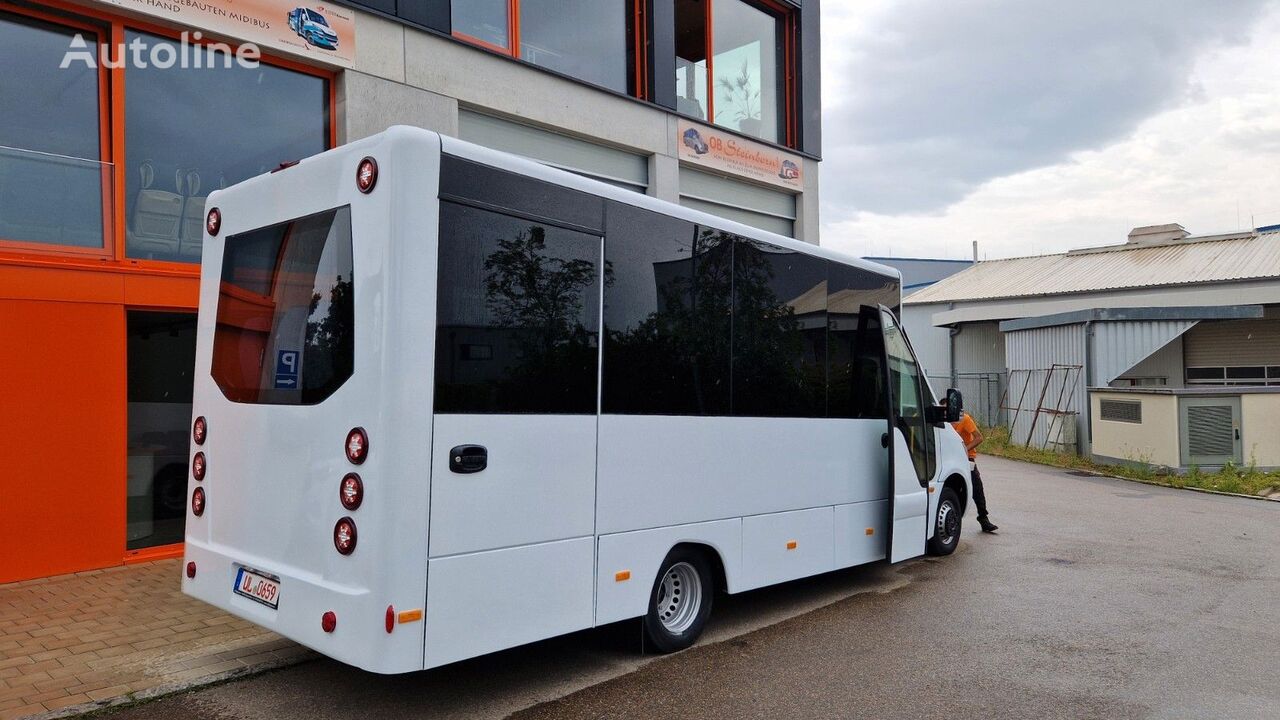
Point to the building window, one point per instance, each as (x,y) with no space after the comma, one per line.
(731,66)
(54,187)
(591,40)
(191,130)
(1242,375)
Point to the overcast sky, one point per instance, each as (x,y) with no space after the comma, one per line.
(1038,126)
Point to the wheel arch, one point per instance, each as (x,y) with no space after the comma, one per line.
(961,488)
(712,554)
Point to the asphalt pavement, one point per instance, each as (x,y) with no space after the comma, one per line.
(1098,598)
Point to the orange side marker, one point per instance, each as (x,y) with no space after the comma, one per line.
(791,544)
(871,531)
(408,616)
(622,576)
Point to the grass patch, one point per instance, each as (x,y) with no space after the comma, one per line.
(1248,480)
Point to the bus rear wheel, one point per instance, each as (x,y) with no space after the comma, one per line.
(680,602)
(946,531)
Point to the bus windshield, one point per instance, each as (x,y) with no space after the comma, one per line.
(285,323)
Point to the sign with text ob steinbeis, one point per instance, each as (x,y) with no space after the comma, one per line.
(323,32)
(731,154)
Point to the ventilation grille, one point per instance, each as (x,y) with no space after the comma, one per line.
(1129,411)
(1209,431)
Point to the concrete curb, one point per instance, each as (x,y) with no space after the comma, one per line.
(98,706)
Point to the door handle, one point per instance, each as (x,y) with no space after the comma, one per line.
(468,459)
(884,440)
(1237,433)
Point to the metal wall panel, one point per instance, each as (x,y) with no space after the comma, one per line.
(1234,342)
(1118,346)
(611,165)
(1031,354)
(743,202)
(980,348)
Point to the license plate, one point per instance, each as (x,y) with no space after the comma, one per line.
(258,587)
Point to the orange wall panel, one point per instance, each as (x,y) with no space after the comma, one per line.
(62,414)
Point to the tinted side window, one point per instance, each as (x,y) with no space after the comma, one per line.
(656,360)
(856,358)
(490,187)
(780,332)
(517,327)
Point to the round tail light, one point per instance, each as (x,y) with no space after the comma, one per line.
(197,502)
(328,621)
(199,430)
(352,491)
(198,466)
(357,446)
(213,222)
(367,175)
(344,535)
(191,570)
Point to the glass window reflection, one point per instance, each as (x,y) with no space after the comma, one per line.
(190,131)
(585,39)
(748,66)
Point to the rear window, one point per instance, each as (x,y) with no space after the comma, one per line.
(285,312)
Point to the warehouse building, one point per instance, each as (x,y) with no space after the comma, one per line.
(121,116)
(1165,349)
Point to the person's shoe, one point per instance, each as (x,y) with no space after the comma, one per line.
(987,525)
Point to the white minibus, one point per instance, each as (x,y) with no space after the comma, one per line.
(450,401)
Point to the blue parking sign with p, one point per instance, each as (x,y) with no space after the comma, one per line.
(287,369)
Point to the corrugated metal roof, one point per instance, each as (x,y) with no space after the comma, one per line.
(1190,261)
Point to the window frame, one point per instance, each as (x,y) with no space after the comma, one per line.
(786,17)
(110,31)
(639,41)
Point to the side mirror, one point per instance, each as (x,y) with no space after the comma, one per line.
(955,405)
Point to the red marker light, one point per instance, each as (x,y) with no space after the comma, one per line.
(213,222)
(391,618)
(199,430)
(198,467)
(344,536)
(357,446)
(328,621)
(191,570)
(367,175)
(351,493)
(197,502)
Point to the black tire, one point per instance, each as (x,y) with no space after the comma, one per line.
(946,524)
(669,624)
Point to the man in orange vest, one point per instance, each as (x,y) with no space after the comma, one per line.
(972,438)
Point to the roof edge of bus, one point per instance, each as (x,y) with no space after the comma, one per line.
(532,168)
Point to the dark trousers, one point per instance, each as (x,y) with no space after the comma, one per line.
(979,497)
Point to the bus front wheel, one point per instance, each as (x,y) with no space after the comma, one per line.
(946,531)
(680,601)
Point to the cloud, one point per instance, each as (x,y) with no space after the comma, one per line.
(925,101)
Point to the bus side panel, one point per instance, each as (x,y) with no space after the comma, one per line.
(786,546)
(861,532)
(629,564)
(659,471)
(489,601)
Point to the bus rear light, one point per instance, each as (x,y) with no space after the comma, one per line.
(367,175)
(197,502)
(328,621)
(344,536)
(357,446)
(391,619)
(352,491)
(199,430)
(191,570)
(213,222)
(198,467)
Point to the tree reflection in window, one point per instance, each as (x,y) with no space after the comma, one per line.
(517,328)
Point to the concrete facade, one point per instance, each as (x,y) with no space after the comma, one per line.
(406,75)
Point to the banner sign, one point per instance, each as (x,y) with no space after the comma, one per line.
(321,32)
(725,152)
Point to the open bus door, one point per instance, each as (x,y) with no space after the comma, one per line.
(912,455)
